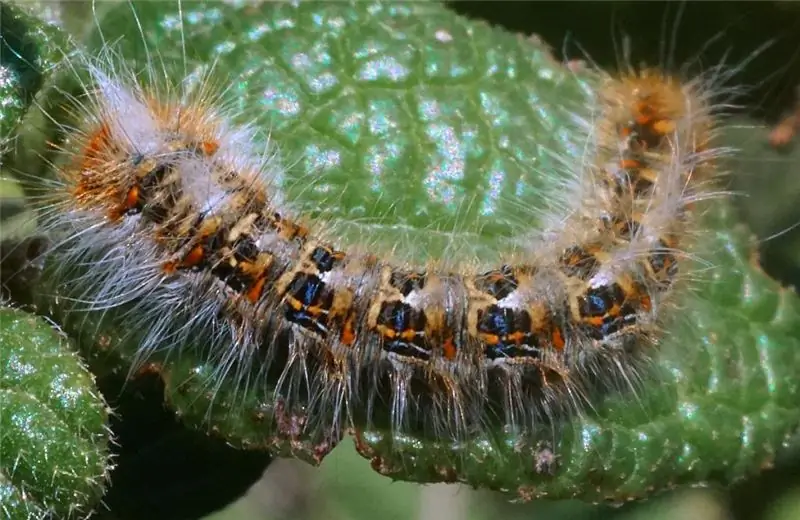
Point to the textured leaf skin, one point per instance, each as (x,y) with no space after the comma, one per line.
(29,47)
(53,434)
(14,505)
(373,100)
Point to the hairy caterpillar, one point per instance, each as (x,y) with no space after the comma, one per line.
(170,216)
(172,210)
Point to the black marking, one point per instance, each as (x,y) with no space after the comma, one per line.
(630,179)
(598,301)
(662,260)
(216,241)
(401,317)
(231,276)
(245,250)
(194,231)
(577,261)
(625,228)
(310,292)
(155,176)
(513,328)
(498,283)
(157,213)
(135,210)
(323,258)
(612,325)
(606,302)
(645,135)
(149,185)
(225,270)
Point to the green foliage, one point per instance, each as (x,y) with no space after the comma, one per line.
(400,119)
(53,434)
(29,47)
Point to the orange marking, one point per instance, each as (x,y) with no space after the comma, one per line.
(194,257)
(558,339)
(251,269)
(245,266)
(645,111)
(132,198)
(449,348)
(302,232)
(290,230)
(114,214)
(573,259)
(664,126)
(209,226)
(669,240)
(316,310)
(491,339)
(294,303)
(209,147)
(254,292)
(348,336)
(784,132)
(516,337)
(630,163)
(408,334)
(386,332)
(96,143)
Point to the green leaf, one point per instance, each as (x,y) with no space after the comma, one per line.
(53,434)
(402,119)
(29,47)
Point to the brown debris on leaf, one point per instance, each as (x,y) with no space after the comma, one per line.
(783,133)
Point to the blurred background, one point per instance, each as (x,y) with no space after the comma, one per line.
(660,33)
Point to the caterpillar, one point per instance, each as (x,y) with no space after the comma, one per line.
(174,212)
(170,220)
